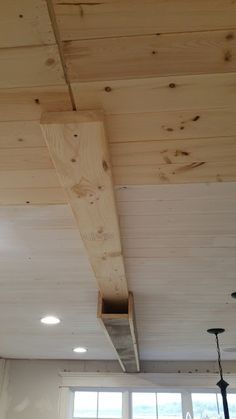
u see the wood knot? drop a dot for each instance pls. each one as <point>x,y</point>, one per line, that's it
<point>229,36</point>
<point>172,85</point>
<point>105,165</point>
<point>108,89</point>
<point>196,118</point>
<point>228,56</point>
<point>50,61</point>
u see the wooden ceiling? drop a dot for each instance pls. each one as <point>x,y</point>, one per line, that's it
<point>163,73</point>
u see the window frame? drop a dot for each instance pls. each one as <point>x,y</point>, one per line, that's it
<point>117,382</point>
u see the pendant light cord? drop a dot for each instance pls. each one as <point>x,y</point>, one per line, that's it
<point>219,357</point>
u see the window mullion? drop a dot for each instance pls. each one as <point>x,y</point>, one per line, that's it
<point>187,405</point>
<point>126,411</point>
<point>97,403</point>
<point>156,406</point>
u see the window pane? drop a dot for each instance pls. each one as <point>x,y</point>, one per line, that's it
<point>232,405</point>
<point>109,405</point>
<point>205,406</point>
<point>85,404</point>
<point>144,405</point>
<point>169,405</point>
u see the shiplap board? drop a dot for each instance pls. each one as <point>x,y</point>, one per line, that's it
<point>176,192</point>
<point>219,149</point>
<point>194,172</point>
<point>78,145</point>
<point>118,18</point>
<point>20,134</point>
<point>27,173</point>
<point>25,158</point>
<point>191,205</point>
<point>150,56</point>
<point>32,178</point>
<point>179,291</point>
<point>30,66</point>
<point>189,224</point>
<point>28,103</point>
<point>157,93</point>
<point>25,23</point>
<point>176,161</point>
<point>25,161</point>
<point>37,280</point>
<point>32,196</point>
<point>151,126</point>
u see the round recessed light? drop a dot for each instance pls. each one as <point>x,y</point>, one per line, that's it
<point>50,320</point>
<point>233,295</point>
<point>80,350</point>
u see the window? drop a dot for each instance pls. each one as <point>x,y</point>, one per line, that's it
<point>97,405</point>
<point>128,404</point>
<point>156,406</point>
<point>209,405</point>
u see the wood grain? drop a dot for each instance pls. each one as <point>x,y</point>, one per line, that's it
<point>155,126</point>
<point>127,17</point>
<point>27,104</point>
<point>21,134</point>
<point>30,66</point>
<point>186,151</point>
<point>80,154</point>
<point>150,56</point>
<point>157,94</point>
<point>176,173</point>
<point>25,23</point>
<point>176,161</point>
<point>32,196</point>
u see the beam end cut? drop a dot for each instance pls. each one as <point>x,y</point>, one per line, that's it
<point>120,329</point>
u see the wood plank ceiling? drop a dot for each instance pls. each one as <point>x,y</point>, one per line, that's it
<point>163,73</point>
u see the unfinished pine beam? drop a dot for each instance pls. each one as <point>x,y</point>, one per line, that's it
<point>78,147</point>
<point>121,331</point>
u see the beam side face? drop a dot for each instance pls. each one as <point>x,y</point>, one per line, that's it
<point>80,154</point>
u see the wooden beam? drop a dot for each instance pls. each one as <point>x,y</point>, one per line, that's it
<point>78,147</point>
<point>120,329</point>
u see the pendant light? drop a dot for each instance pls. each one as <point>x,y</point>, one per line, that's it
<point>222,384</point>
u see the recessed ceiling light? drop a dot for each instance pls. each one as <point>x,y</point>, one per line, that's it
<point>80,350</point>
<point>50,320</point>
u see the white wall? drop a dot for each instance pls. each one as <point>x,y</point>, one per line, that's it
<point>30,389</point>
